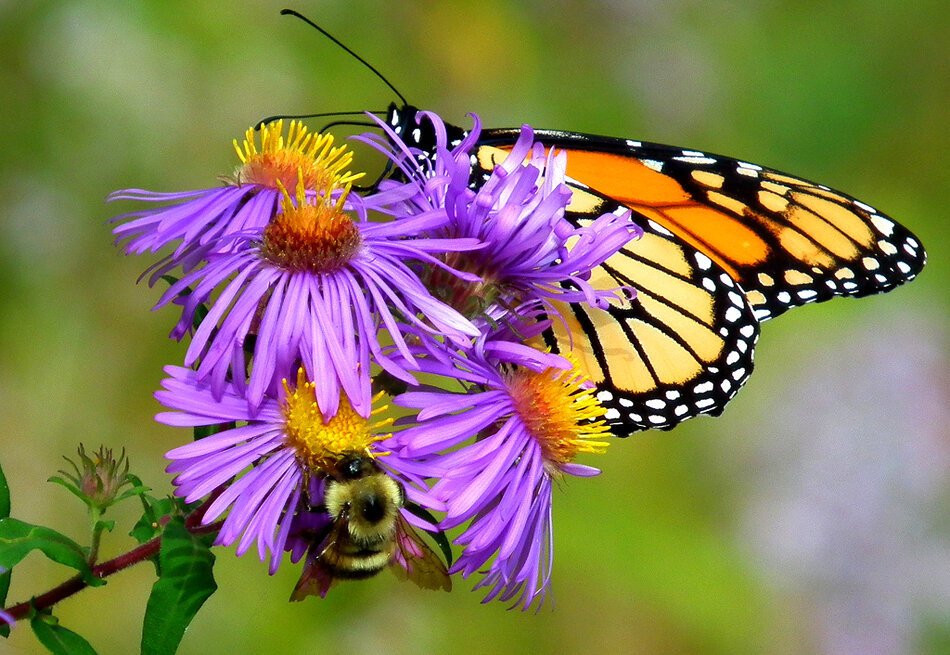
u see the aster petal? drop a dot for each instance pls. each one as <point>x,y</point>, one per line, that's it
<point>447,431</point>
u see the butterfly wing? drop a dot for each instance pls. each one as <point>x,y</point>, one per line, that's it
<point>785,240</point>
<point>726,245</point>
<point>682,347</point>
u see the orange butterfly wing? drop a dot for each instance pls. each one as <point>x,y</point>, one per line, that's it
<point>785,240</point>
<point>726,246</point>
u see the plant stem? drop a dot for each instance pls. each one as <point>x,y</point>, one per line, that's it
<point>136,555</point>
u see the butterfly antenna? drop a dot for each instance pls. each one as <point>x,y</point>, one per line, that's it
<point>291,12</point>
<point>270,119</point>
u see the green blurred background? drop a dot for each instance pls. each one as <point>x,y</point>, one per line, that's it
<point>812,517</point>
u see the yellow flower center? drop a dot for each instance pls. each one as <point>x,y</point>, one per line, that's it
<point>282,161</point>
<point>560,412</point>
<point>311,234</point>
<point>320,443</point>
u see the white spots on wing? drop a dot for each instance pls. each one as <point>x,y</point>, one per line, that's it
<point>633,144</point>
<point>689,159</point>
<point>733,314</point>
<point>659,229</point>
<point>653,164</point>
<point>887,247</point>
<point>703,261</point>
<point>883,225</point>
<point>580,185</point>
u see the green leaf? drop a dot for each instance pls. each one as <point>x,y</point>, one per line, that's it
<point>149,526</point>
<point>57,639</point>
<point>186,582</point>
<point>4,496</point>
<point>4,588</point>
<point>17,539</point>
<point>107,526</point>
<point>70,487</point>
<point>4,575</point>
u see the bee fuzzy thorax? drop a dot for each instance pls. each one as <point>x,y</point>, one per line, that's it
<point>371,504</point>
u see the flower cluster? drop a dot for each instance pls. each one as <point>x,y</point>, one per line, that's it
<point>306,301</point>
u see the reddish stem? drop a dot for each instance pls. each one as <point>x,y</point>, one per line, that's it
<point>107,568</point>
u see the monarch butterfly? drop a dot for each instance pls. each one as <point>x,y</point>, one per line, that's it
<point>726,245</point>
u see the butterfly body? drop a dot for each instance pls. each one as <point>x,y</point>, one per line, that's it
<point>727,245</point>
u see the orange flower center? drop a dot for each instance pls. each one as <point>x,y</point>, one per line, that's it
<point>560,411</point>
<point>311,233</point>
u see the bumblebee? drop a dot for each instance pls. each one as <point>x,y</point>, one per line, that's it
<point>366,533</point>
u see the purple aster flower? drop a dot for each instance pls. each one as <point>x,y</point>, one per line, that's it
<point>316,286</point>
<point>270,470</point>
<point>247,202</point>
<point>532,414</point>
<point>531,252</point>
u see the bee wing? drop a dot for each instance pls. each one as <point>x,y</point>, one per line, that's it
<point>414,560</point>
<point>316,577</point>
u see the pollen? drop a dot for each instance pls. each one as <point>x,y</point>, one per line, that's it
<point>320,443</point>
<point>560,411</point>
<point>311,233</point>
<point>282,160</point>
